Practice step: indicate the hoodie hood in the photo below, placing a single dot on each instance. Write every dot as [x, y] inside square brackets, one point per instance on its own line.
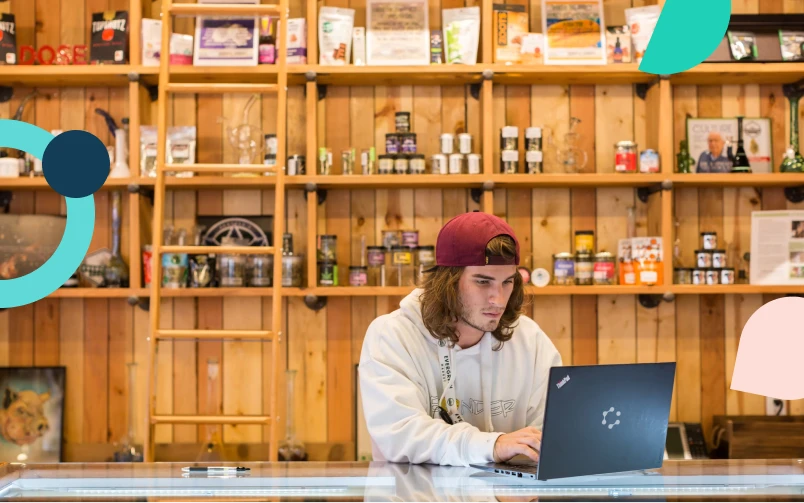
[411, 309]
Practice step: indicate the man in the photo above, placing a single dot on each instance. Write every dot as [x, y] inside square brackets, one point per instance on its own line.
[457, 375]
[715, 159]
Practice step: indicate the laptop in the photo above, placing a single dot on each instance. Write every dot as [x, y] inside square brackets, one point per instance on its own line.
[600, 419]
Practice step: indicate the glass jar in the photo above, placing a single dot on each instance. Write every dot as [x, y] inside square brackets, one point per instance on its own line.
[407, 143]
[585, 242]
[712, 277]
[417, 165]
[358, 275]
[392, 144]
[327, 248]
[296, 165]
[509, 162]
[410, 238]
[683, 276]
[718, 259]
[401, 165]
[473, 163]
[533, 139]
[533, 162]
[401, 270]
[327, 273]
[368, 161]
[425, 259]
[604, 269]
[324, 161]
[509, 138]
[584, 269]
[348, 161]
[456, 164]
[625, 157]
[727, 276]
[386, 164]
[709, 240]
[232, 270]
[465, 143]
[260, 270]
[563, 269]
[376, 265]
[390, 238]
[447, 143]
[439, 165]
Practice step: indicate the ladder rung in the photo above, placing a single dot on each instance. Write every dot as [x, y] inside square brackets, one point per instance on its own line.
[220, 9]
[249, 250]
[222, 168]
[221, 88]
[262, 335]
[210, 419]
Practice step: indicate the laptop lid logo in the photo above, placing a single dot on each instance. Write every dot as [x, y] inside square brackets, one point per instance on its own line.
[563, 382]
[610, 424]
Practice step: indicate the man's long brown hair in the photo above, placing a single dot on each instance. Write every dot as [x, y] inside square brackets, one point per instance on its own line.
[441, 303]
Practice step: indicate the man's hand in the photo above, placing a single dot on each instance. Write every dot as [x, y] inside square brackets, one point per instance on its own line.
[527, 441]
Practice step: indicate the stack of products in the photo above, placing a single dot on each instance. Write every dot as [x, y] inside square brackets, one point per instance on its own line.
[400, 156]
[398, 261]
[641, 261]
[509, 150]
[710, 266]
[584, 268]
[181, 149]
[448, 161]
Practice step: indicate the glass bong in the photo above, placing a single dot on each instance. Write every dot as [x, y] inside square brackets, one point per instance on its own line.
[291, 449]
[793, 161]
[246, 139]
[129, 449]
[569, 154]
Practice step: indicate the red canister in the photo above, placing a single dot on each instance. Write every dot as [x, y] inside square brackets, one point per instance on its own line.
[147, 254]
[625, 158]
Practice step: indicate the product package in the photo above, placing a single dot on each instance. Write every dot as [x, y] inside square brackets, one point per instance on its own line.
[359, 45]
[641, 261]
[532, 50]
[297, 41]
[335, 35]
[436, 47]
[8, 40]
[226, 40]
[792, 43]
[181, 49]
[148, 139]
[109, 38]
[743, 45]
[618, 40]
[181, 141]
[510, 25]
[181, 46]
[641, 23]
[461, 35]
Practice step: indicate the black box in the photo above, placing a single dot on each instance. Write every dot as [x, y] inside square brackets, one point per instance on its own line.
[109, 40]
[8, 40]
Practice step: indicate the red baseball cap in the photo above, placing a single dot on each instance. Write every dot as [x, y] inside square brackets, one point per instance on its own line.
[462, 241]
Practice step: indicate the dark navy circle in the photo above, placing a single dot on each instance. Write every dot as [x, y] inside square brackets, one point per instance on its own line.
[76, 164]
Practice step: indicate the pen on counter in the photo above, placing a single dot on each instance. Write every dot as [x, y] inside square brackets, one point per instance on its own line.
[215, 469]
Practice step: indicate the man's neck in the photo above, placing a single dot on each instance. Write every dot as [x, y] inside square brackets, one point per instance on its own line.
[467, 336]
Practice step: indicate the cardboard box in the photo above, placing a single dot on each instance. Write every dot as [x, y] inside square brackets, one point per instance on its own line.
[8, 40]
[510, 25]
[297, 41]
[109, 38]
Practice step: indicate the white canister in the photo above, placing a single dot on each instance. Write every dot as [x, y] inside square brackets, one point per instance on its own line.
[9, 167]
[447, 143]
[455, 164]
[465, 143]
[440, 164]
[473, 161]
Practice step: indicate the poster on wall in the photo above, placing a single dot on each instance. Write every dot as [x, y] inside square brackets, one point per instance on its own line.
[32, 414]
[575, 33]
[709, 141]
[226, 40]
[397, 32]
[777, 248]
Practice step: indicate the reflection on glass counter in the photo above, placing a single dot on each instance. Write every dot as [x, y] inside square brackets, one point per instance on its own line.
[342, 481]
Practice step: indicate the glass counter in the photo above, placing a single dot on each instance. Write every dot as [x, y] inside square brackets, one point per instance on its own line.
[713, 480]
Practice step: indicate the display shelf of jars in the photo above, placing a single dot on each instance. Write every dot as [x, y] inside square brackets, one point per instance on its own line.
[39, 183]
[737, 179]
[212, 182]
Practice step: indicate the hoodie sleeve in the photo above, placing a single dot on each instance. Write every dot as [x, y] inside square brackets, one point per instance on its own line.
[396, 409]
[547, 356]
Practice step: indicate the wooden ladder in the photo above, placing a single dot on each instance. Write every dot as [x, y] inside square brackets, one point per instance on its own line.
[169, 9]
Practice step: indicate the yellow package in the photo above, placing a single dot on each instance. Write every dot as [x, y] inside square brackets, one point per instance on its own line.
[510, 26]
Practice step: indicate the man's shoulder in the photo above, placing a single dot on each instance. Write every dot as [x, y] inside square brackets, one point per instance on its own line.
[393, 326]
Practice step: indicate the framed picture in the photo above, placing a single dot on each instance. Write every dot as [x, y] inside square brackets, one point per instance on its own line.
[32, 414]
[397, 32]
[709, 138]
[575, 33]
[226, 40]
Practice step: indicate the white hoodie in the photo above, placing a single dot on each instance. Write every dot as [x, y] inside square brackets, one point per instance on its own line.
[400, 384]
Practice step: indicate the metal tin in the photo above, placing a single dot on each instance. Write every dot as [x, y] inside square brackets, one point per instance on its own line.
[376, 255]
[533, 139]
[509, 161]
[456, 164]
[625, 157]
[417, 164]
[440, 164]
[296, 165]
[584, 242]
[410, 238]
[447, 143]
[392, 143]
[604, 269]
[465, 143]
[509, 138]
[390, 238]
[712, 276]
[682, 276]
[473, 163]
[584, 269]
[533, 162]
[649, 161]
[698, 277]
[563, 269]
[407, 143]
[402, 121]
[358, 275]
[271, 144]
[718, 259]
[727, 276]
[386, 164]
[708, 240]
[401, 165]
[703, 258]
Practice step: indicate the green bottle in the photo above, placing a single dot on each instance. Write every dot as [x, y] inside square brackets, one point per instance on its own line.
[685, 162]
[793, 162]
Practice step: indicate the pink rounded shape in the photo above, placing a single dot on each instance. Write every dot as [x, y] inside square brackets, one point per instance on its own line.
[769, 357]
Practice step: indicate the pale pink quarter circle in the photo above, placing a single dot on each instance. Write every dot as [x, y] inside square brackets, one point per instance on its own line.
[769, 357]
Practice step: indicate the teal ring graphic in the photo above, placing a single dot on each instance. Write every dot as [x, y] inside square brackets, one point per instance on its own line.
[77, 232]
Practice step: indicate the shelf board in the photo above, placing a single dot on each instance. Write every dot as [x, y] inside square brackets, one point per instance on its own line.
[99, 293]
[577, 180]
[184, 74]
[350, 75]
[213, 182]
[569, 74]
[67, 75]
[386, 181]
[39, 183]
[740, 73]
[737, 179]
[735, 289]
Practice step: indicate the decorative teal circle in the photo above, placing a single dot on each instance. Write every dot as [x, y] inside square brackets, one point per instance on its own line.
[77, 233]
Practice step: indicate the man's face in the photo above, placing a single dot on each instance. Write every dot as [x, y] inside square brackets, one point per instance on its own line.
[715, 144]
[484, 292]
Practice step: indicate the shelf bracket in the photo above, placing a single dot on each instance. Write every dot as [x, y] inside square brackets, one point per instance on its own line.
[133, 77]
[143, 303]
[314, 302]
[6, 93]
[794, 90]
[143, 191]
[153, 93]
[644, 193]
[5, 200]
[652, 301]
[794, 194]
[322, 91]
[321, 193]
[474, 90]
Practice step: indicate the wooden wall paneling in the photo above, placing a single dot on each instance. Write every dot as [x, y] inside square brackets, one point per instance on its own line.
[688, 363]
[121, 325]
[745, 6]
[738, 309]
[163, 384]
[140, 351]
[72, 356]
[713, 373]
[307, 355]
[96, 370]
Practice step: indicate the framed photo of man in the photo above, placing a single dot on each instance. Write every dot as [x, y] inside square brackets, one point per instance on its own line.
[710, 140]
